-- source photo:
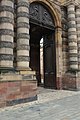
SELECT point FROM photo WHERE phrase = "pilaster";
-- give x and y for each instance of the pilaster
(78, 33)
(59, 63)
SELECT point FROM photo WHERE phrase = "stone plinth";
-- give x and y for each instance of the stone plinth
(16, 92)
(71, 81)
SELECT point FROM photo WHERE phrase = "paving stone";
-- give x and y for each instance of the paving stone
(51, 105)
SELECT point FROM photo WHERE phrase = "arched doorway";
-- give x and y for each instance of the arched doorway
(42, 26)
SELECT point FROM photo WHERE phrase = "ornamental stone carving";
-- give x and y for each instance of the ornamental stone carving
(23, 58)
(22, 25)
(6, 57)
(6, 20)
(23, 47)
(23, 4)
(4, 44)
(6, 32)
(6, 8)
(23, 35)
(39, 13)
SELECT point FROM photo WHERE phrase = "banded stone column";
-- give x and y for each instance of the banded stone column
(64, 40)
(72, 38)
(6, 33)
(78, 33)
(22, 34)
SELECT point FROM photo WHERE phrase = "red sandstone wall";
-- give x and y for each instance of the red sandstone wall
(71, 82)
(12, 93)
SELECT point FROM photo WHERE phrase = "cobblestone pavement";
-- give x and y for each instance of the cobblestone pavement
(51, 105)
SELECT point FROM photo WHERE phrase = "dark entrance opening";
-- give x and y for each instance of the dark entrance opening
(42, 26)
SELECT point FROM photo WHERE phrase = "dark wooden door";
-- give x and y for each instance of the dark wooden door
(49, 61)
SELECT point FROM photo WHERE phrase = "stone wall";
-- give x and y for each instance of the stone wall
(70, 79)
(16, 92)
(17, 81)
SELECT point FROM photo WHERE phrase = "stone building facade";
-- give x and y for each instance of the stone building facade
(19, 76)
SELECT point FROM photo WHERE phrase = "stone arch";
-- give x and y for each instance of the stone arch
(52, 9)
(58, 38)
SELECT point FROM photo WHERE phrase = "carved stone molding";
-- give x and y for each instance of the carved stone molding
(6, 57)
(22, 14)
(23, 4)
(6, 8)
(6, 32)
(22, 24)
(6, 20)
(23, 35)
(23, 58)
(6, 44)
(74, 2)
(23, 47)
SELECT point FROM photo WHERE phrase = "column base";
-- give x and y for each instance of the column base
(71, 81)
(23, 68)
(59, 83)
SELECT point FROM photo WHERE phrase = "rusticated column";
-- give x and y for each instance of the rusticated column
(72, 38)
(22, 34)
(64, 40)
(78, 33)
(6, 33)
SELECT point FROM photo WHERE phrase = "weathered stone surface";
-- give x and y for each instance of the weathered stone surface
(15, 37)
(17, 91)
(6, 32)
(22, 33)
